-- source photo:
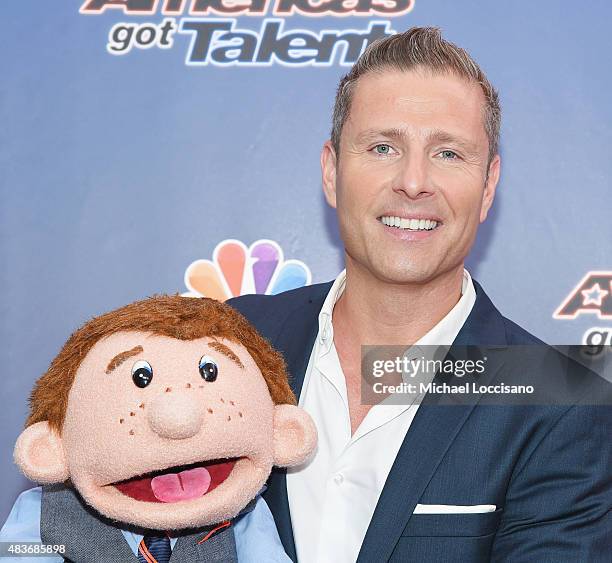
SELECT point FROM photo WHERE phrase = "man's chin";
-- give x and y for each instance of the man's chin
(395, 264)
(397, 271)
(221, 502)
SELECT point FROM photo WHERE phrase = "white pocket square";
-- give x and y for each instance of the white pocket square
(453, 508)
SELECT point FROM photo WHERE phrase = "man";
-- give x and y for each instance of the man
(411, 168)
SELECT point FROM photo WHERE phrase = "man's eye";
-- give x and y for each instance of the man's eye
(142, 373)
(448, 155)
(208, 368)
(382, 149)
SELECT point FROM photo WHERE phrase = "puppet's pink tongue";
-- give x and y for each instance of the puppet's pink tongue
(186, 485)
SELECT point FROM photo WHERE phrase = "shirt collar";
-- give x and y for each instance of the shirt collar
(326, 329)
(442, 334)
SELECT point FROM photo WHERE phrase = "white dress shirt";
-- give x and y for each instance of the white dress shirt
(333, 496)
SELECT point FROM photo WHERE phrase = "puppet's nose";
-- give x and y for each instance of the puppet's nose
(175, 415)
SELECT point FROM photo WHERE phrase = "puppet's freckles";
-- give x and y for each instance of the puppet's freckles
(131, 417)
(228, 410)
(227, 403)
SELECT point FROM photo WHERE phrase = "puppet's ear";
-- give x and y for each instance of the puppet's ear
(40, 455)
(295, 435)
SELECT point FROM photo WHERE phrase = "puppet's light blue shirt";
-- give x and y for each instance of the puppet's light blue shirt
(256, 535)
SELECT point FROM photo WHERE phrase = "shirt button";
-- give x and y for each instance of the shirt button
(323, 336)
(338, 478)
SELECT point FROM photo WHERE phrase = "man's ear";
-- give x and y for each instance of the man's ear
(295, 435)
(39, 454)
(328, 172)
(490, 187)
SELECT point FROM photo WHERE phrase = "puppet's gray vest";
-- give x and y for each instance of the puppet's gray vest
(89, 538)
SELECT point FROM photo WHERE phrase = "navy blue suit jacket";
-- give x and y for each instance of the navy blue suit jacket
(548, 469)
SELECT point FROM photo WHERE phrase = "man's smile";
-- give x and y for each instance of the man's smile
(411, 227)
(409, 223)
(178, 483)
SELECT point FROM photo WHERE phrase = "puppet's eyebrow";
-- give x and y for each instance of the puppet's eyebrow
(121, 357)
(219, 347)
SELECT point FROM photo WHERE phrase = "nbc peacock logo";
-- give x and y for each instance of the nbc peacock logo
(237, 270)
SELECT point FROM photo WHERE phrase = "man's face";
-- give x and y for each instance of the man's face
(413, 153)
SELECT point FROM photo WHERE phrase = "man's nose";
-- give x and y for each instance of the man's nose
(175, 415)
(413, 178)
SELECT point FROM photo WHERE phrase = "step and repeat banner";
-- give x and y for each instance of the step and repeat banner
(164, 146)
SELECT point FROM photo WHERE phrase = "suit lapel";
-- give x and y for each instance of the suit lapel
(65, 519)
(219, 548)
(295, 341)
(297, 336)
(431, 433)
(484, 325)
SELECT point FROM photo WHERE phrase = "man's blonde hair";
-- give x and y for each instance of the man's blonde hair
(418, 47)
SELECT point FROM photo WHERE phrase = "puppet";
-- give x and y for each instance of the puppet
(162, 419)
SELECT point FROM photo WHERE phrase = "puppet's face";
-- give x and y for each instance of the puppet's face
(170, 434)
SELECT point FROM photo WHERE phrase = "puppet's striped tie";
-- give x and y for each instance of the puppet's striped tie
(154, 549)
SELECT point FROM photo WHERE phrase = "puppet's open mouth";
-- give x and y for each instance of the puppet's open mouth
(174, 484)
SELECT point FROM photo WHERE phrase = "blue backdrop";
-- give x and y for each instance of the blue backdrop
(119, 171)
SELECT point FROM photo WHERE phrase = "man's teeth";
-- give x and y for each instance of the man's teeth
(411, 224)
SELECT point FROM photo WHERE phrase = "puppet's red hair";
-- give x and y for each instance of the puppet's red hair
(174, 316)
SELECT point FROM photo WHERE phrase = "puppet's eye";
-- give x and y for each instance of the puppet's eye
(142, 373)
(208, 368)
